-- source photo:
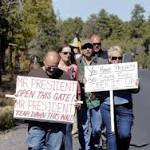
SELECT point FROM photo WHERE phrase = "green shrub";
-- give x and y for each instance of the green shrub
(6, 101)
(6, 117)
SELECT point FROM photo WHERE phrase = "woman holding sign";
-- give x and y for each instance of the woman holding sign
(123, 112)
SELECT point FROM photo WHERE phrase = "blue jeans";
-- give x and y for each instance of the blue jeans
(120, 140)
(96, 124)
(68, 138)
(89, 126)
(83, 127)
(41, 138)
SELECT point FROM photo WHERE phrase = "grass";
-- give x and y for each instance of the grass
(6, 104)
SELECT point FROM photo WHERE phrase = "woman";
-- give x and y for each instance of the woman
(122, 110)
(67, 63)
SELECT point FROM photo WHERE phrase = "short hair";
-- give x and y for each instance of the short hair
(51, 51)
(93, 36)
(113, 49)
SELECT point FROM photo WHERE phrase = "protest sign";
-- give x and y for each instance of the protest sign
(42, 99)
(111, 77)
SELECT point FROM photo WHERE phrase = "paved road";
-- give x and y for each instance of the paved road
(15, 139)
(141, 128)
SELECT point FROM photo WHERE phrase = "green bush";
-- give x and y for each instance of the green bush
(6, 117)
(6, 101)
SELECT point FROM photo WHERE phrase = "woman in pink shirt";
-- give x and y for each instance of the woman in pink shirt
(68, 64)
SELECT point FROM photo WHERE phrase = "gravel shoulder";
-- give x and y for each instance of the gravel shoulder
(14, 139)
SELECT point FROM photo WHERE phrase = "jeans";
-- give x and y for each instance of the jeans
(83, 127)
(68, 138)
(89, 126)
(96, 124)
(40, 138)
(120, 140)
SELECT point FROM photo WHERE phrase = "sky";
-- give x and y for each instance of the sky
(84, 8)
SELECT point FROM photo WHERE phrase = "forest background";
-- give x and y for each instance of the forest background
(31, 27)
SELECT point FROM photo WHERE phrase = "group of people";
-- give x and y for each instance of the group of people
(93, 115)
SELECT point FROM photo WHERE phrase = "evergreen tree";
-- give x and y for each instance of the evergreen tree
(68, 28)
(40, 22)
(137, 21)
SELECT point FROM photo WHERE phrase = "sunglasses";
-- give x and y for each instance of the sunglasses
(115, 58)
(66, 53)
(51, 67)
(94, 44)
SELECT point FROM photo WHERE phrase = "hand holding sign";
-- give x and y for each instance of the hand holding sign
(111, 77)
(45, 99)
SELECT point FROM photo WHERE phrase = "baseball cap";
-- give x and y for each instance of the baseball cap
(86, 44)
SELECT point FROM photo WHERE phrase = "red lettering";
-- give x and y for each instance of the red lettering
(37, 105)
(66, 117)
(38, 115)
(61, 107)
(53, 116)
(44, 95)
(65, 86)
(64, 97)
(20, 104)
(22, 82)
(20, 113)
(25, 93)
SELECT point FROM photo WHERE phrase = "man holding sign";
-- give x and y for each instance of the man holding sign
(46, 134)
(119, 139)
(89, 116)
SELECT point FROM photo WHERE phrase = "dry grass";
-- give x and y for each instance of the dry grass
(6, 117)
(6, 104)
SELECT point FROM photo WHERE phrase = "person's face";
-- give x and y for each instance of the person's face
(65, 54)
(115, 58)
(76, 50)
(51, 63)
(87, 51)
(96, 44)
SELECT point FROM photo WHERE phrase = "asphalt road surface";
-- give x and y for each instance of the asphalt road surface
(141, 106)
(14, 139)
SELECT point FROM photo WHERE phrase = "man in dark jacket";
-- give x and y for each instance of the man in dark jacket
(41, 134)
(98, 51)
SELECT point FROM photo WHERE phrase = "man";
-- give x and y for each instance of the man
(44, 134)
(100, 53)
(96, 40)
(89, 113)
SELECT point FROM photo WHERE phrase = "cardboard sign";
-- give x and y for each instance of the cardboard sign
(111, 77)
(42, 99)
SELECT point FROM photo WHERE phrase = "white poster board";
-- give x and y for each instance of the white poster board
(111, 77)
(42, 99)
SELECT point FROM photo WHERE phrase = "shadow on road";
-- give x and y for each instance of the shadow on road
(139, 146)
